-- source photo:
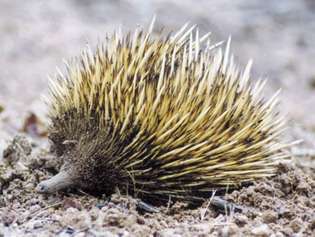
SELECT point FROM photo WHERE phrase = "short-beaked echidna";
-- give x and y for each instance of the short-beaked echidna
(161, 116)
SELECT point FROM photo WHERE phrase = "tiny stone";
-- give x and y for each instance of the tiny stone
(34, 208)
(303, 187)
(285, 212)
(71, 203)
(124, 233)
(130, 220)
(261, 231)
(29, 186)
(103, 233)
(229, 230)
(69, 230)
(279, 234)
(296, 225)
(82, 234)
(8, 219)
(37, 224)
(19, 148)
(56, 217)
(270, 217)
(166, 233)
(312, 224)
(241, 220)
(72, 210)
(287, 231)
(140, 220)
(34, 201)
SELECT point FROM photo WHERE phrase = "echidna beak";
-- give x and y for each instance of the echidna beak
(58, 182)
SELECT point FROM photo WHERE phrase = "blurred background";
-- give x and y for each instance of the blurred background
(36, 35)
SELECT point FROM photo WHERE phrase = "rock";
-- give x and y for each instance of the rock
(278, 234)
(312, 224)
(140, 220)
(229, 230)
(37, 224)
(241, 220)
(19, 148)
(166, 233)
(261, 231)
(296, 225)
(8, 218)
(270, 216)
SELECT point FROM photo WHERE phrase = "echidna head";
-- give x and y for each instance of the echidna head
(84, 160)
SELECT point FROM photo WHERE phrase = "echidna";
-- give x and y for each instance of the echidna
(167, 116)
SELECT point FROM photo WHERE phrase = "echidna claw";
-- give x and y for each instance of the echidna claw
(142, 206)
(224, 206)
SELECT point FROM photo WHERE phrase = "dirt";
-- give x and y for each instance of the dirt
(37, 35)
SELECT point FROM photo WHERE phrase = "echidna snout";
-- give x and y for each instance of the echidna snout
(60, 181)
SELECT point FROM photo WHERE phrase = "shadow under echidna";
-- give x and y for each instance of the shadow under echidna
(161, 117)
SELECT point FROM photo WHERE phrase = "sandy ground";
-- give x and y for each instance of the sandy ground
(36, 35)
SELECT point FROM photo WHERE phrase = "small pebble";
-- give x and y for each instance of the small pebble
(261, 231)
(241, 220)
(35, 208)
(296, 225)
(312, 224)
(37, 224)
(270, 217)
(69, 230)
(29, 186)
(229, 230)
(8, 218)
(140, 220)
(166, 233)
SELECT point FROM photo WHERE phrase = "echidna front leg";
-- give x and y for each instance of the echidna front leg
(62, 180)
